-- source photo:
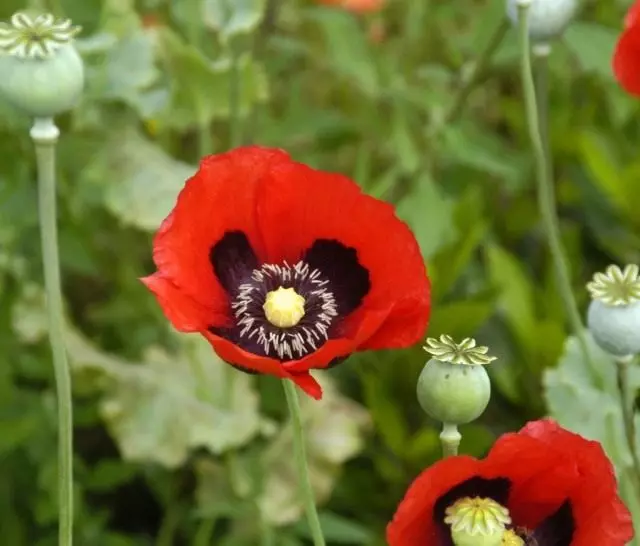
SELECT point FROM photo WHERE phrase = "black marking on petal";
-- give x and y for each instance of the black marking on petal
(557, 529)
(496, 488)
(348, 279)
(233, 260)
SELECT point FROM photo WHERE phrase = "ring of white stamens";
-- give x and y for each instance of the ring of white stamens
(308, 333)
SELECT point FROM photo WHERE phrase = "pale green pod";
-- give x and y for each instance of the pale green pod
(547, 19)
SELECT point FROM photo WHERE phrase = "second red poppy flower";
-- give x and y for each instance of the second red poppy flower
(284, 268)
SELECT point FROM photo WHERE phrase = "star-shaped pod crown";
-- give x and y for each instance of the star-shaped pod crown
(38, 37)
(465, 352)
(616, 287)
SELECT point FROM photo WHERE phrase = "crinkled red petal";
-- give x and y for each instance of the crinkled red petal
(601, 517)
(222, 196)
(546, 465)
(626, 60)
(185, 313)
(413, 523)
(330, 206)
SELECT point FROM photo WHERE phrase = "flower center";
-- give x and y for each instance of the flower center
(284, 307)
(284, 311)
(477, 521)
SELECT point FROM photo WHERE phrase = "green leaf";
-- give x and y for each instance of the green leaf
(593, 46)
(200, 88)
(338, 530)
(140, 181)
(517, 298)
(232, 17)
(429, 213)
(160, 410)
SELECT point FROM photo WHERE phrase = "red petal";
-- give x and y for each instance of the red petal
(185, 313)
(220, 197)
(308, 384)
(632, 15)
(601, 517)
(413, 523)
(330, 206)
(626, 60)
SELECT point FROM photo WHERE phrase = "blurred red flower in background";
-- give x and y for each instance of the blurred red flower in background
(284, 268)
(626, 59)
(559, 488)
(356, 6)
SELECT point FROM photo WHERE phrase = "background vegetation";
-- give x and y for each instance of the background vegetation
(172, 446)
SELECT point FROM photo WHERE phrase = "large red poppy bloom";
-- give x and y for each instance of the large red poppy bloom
(252, 221)
(626, 59)
(560, 490)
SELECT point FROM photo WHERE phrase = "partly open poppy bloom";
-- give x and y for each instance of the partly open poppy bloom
(626, 59)
(356, 6)
(548, 486)
(284, 268)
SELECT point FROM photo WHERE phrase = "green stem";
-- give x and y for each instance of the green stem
(204, 533)
(235, 88)
(626, 402)
(301, 462)
(546, 196)
(45, 136)
(480, 66)
(450, 438)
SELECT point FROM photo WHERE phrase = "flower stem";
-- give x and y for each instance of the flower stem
(450, 438)
(626, 402)
(479, 67)
(301, 463)
(546, 197)
(235, 126)
(45, 136)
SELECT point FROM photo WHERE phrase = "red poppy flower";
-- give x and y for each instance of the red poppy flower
(626, 59)
(559, 488)
(284, 268)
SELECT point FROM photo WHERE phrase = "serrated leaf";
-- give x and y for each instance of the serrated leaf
(141, 182)
(232, 17)
(161, 409)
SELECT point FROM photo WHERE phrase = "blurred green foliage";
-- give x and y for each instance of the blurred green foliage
(172, 446)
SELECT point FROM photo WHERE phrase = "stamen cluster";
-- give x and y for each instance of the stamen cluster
(320, 310)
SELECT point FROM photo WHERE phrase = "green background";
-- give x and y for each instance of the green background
(172, 446)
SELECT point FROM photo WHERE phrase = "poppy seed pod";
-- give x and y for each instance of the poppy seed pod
(613, 317)
(454, 386)
(547, 18)
(41, 73)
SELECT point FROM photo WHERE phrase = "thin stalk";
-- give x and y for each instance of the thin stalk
(45, 136)
(235, 88)
(301, 462)
(450, 438)
(628, 416)
(479, 68)
(546, 196)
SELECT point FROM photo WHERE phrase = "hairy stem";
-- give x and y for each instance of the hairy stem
(45, 136)
(544, 174)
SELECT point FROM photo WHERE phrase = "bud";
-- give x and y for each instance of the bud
(613, 317)
(547, 19)
(41, 72)
(454, 386)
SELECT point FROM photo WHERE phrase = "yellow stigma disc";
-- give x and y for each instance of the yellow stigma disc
(284, 307)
